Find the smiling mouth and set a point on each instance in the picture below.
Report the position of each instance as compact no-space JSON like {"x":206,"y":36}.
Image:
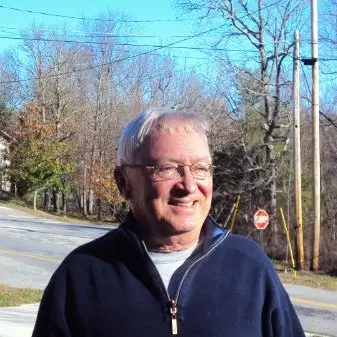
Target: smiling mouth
{"x":182,"y":204}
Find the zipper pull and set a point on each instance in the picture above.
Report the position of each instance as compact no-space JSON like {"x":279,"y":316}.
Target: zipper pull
{"x":173,"y":313}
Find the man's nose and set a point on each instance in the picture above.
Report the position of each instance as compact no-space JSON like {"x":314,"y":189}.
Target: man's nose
{"x":187,"y":179}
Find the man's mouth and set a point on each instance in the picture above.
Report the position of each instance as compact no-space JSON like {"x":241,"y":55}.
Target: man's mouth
{"x":182,"y":203}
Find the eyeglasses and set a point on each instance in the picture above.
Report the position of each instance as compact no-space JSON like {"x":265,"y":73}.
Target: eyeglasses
{"x":168,"y":170}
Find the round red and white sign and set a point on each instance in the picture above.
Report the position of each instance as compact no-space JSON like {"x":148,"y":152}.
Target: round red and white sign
{"x":261,"y":219}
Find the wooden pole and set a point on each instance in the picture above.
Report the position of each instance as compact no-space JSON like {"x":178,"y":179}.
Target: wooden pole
{"x":297,"y":152}
{"x":288,"y":239}
{"x":316,"y":140}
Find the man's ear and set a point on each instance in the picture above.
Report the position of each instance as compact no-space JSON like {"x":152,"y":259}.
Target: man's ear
{"x":122,"y":182}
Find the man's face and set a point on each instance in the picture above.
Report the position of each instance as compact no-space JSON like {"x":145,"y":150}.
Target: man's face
{"x":176,"y":206}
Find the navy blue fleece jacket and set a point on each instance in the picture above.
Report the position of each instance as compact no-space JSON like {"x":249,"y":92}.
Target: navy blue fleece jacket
{"x":111,"y":288}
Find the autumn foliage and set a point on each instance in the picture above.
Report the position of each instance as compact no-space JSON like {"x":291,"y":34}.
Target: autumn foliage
{"x":104,"y":186}
{"x":37,"y":159}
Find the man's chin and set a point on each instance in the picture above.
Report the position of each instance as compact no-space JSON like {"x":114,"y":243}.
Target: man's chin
{"x":179,"y":226}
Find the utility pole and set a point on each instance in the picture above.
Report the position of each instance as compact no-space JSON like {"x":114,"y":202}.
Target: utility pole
{"x":297,"y":151}
{"x":316,"y":141}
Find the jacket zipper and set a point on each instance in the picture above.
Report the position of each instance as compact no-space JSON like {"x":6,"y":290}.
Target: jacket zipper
{"x":173,"y":302}
{"x":173,"y":313}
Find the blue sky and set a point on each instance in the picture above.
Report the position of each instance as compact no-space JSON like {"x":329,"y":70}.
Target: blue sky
{"x":135,"y":10}
{"x":13,"y":21}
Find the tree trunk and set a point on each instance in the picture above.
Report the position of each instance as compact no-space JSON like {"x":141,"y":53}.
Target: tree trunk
{"x":270,"y":152}
{"x":55,"y":201}
{"x":79,"y":198}
{"x":85,"y":202}
{"x":99,"y":211}
{"x":273,"y":210}
{"x":85,"y":207}
{"x":91,"y":202}
{"x":34,"y":202}
{"x":46,"y":199}
{"x":64,"y":202}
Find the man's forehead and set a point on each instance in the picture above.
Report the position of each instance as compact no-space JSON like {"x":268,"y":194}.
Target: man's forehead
{"x":159,"y":146}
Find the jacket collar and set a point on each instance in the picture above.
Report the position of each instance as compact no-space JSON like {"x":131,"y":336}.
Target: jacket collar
{"x":211,"y":231}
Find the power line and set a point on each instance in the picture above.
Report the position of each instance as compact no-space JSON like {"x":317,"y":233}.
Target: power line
{"x":100,"y":35}
{"x":129,"y":44}
{"x":159,"y":20}
{"x":112,"y":20}
{"x":327,"y":59}
{"x":136,"y":55}
{"x":308,"y":60}
{"x":330,"y":120}
{"x":112,"y":62}
{"x":85,"y":18}
{"x":332,"y":147}
{"x":305,"y":79}
{"x":20,"y":37}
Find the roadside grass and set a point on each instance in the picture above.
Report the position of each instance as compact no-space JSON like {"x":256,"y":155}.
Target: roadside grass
{"x":11,"y":296}
{"x":306,"y":278}
{"x":20,"y":206}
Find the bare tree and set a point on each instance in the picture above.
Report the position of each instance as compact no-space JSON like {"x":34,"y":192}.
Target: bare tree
{"x":263,"y":27}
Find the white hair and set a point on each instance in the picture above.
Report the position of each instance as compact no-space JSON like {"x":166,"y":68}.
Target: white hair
{"x":155,"y":120}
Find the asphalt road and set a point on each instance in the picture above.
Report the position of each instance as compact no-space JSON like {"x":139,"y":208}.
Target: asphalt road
{"x":31,"y":248}
{"x":316,"y":308}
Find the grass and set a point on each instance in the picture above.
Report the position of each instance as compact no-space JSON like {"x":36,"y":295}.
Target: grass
{"x":306,"y":278}
{"x":49,"y":215}
{"x":11,"y":296}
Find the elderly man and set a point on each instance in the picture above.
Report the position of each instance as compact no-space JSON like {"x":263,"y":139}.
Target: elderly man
{"x":169,"y":269}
